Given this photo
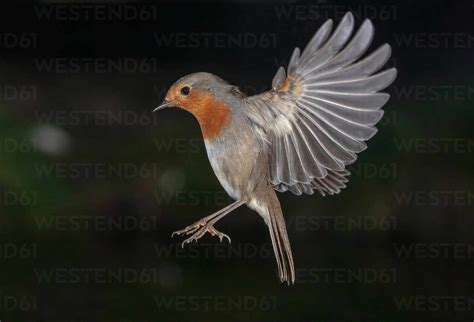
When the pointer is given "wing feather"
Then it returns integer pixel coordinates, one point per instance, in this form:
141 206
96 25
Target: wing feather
337 151
315 43
372 101
365 117
279 78
367 66
338 39
366 85
356 48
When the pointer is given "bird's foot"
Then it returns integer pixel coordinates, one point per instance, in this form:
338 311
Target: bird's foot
191 228
200 231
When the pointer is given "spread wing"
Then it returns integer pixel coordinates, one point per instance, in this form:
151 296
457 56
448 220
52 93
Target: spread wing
318 114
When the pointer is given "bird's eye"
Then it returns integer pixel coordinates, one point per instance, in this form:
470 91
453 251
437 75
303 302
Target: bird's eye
185 90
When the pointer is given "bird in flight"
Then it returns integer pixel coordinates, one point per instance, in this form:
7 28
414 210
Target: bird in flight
298 137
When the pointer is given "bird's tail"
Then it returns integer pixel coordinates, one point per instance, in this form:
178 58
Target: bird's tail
281 244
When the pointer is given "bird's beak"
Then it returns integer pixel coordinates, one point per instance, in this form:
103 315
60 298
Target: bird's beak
163 105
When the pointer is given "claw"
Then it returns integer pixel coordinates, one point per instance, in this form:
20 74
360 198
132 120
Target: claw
221 235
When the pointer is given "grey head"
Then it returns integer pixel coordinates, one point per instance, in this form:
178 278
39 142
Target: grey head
189 90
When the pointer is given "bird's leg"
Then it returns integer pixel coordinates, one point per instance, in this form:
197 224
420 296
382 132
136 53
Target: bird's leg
206 224
203 221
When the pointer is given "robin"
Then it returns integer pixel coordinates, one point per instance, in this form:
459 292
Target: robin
298 137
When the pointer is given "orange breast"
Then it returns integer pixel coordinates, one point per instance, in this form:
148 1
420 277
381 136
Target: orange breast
212 114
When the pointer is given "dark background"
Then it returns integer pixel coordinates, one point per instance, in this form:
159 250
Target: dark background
92 184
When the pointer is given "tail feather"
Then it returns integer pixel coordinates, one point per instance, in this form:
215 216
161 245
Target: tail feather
277 249
282 253
279 236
